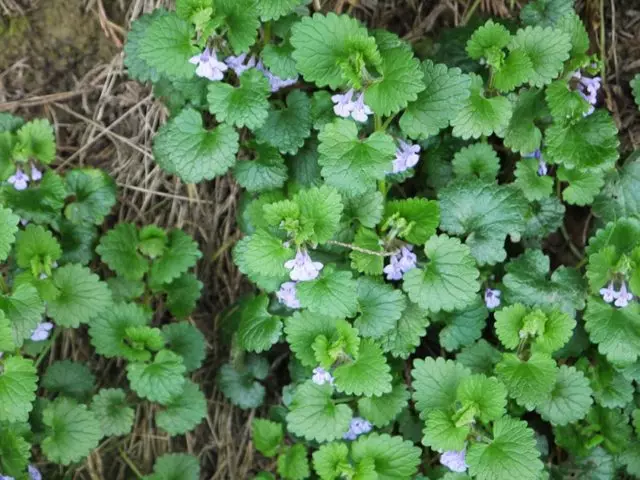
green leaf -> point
(515, 70)
(545, 217)
(36, 140)
(365, 262)
(267, 436)
(82, 296)
(262, 254)
(422, 217)
(611, 388)
(184, 411)
(36, 249)
(180, 255)
(367, 375)
(443, 433)
(302, 328)
(333, 293)
(620, 196)
(529, 382)
(108, 331)
(258, 330)
(435, 383)
(350, 164)
(138, 68)
(266, 172)
(583, 187)
(187, 341)
(240, 19)
(380, 306)
(488, 39)
(72, 431)
(40, 203)
(15, 452)
(512, 453)
(320, 212)
(527, 281)
(523, 134)
(183, 294)
(321, 104)
(572, 25)
(384, 409)
(616, 331)
(24, 309)
(545, 12)
(393, 458)
(18, 384)
(314, 416)
(462, 327)
(118, 250)
(479, 357)
(565, 103)
(547, 49)
(533, 186)
(7, 343)
(402, 340)
(477, 160)
(484, 395)
(485, 214)
(401, 76)
(293, 463)
(94, 194)
(112, 410)
(278, 59)
(71, 379)
(244, 106)
(287, 128)
(240, 387)
(9, 223)
(331, 460)
(330, 49)
(480, 115)
(366, 208)
(590, 143)
(184, 148)
(448, 281)
(166, 47)
(570, 398)
(175, 466)
(274, 9)
(160, 380)
(445, 94)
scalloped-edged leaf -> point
(9, 222)
(477, 160)
(333, 293)
(287, 128)
(367, 375)
(570, 398)
(435, 383)
(112, 410)
(159, 380)
(18, 384)
(392, 457)
(422, 217)
(528, 382)
(184, 411)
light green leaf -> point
(175, 466)
(267, 436)
(244, 106)
(448, 281)
(529, 382)
(393, 458)
(160, 380)
(583, 186)
(477, 160)
(184, 148)
(274, 9)
(320, 212)
(15, 452)
(71, 379)
(384, 409)
(533, 186)
(293, 463)
(266, 172)
(439, 103)
(443, 433)
(184, 411)
(487, 40)
(302, 328)
(258, 330)
(108, 331)
(620, 196)
(565, 104)
(435, 383)
(240, 386)
(515, 70)
(331, 460)
(350, 164)
(570, 398)
(486, 396)
(36, 140)
(18, 384)
(118, 250)
(41, 202)
(365, 262)
(462, 327)
(94, 194)
(240, 19)
(180, 255)
(380, 306)
(9, 223)
(24, 309)
(367, 375)
(523, 134)
(187, 341)
(485, 214)
(479, 357)
(402, 340)
(112, 410)
(512, 453)
(333, 294)
(422, 217)
(287, 128)
(314, 416)
(262, 254)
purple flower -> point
(344, 104)
(357, 427)
(302, 267)
(35, 173)
(287, 295)
(401, 263)
(237, 63)
(455, 460)
(6, 477)
(360, 111)
(34, 473)
(407, 156)
(543, 169)
(19, 180)
(321, 376)
(208, 65)
(275, 82)
(588, 88)
(623, 297)
(492, 298)
(608, 294)
(24, 222)
(42, 332)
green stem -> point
(3, 285)
(377, 122)
(267, 33)
(47, 349)
(130, 463)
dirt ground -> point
(62, 59)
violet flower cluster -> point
(407, 156)
(401, 263)
(588, 88)
(42, 332)
(345, 106)
(455, 460)
(302, 269)
(492, 298)
(34, 474)
(20, 180)
(620, 298)
(321, 376)
(357, 427)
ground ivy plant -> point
(406, 226)
(52, 284)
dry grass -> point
(103, 119)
